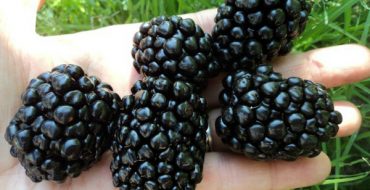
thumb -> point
(18, 19)
(19, 47)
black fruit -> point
(64, 124)
(267, 117)
(175, 47)
(161, 138)
(249, 32)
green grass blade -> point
(365, 34)
(345, 179)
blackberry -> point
(175, 47)
(63, 126)
(249, 32)
(161, 138)
(267, 117)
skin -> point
(106, 53)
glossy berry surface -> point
(175, 47)
(249, 32)
(160, 142)
(63, 125)
(267, 117)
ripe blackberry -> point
(175, 47)
(267, 117)
(160, 142)
(62, 128)
(248, 32)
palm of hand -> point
(106, 53)
(109, 63)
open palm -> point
(106, 53)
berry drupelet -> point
(249, 32)
(267, 117)
(161, 139)
(175, 47)
(64, 124)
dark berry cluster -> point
(161, 140)
(248, 32)
(263, 115)
(267, 117)
(175, 47)
(158, 134)
(64, 124)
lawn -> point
(332, 22)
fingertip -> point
(350, 62)
(42, 2)
(352, 118)
(331, 66)
(305, 171)
(230, 171)
(322, 163)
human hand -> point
(106, 53)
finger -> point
(7, 161)
(331, 67)
(104, 52)
(18, 19)
(42, 2)
(351, 123)
(352, 118)
(106, 45)
(109, 46)
(224, 171)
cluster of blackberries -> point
(160, 141)
(263, 115)
(267, 117)
(248, 32)
(175, 47)
(158, 134)
(64, 124)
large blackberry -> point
(161, 138)
(267, 117)
(62, 127)
(247, 32)
(175, 47)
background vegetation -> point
(332, 22)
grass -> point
(332, 22)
